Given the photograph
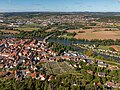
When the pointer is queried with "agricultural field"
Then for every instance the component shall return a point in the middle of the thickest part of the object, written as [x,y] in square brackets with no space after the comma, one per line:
[101,34]
[54,67]
[27,29]
[9,31]
[49,30]
[31,25]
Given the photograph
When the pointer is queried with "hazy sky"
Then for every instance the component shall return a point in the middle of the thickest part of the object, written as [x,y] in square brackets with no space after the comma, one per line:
[60,5]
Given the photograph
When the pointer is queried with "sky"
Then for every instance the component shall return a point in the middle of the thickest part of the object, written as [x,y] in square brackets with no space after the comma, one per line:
[60,5]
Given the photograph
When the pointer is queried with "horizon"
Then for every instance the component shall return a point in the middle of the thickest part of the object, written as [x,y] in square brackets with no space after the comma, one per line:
[59,6]
[56,12]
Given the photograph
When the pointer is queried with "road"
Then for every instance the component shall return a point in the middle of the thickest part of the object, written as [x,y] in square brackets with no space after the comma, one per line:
[44,40]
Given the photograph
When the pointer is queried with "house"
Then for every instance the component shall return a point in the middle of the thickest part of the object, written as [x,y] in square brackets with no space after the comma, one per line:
[74,83]
[33,75]
[3,74]
[111,67]
[1,21]
[90,72]
[51,77]
[53,53]
[27,71]
[43,60]
[111,84]
[84,60]
[89,61]
[66,57]
[101,74]
[75,65]
[115,48]
[42,77]
[32,43]
[102,65]
[39,49]
[58,58]
[5,54]
[1,65]
[97,83]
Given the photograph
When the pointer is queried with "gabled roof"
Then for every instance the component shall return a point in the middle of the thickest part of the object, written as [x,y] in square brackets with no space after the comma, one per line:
[115,48]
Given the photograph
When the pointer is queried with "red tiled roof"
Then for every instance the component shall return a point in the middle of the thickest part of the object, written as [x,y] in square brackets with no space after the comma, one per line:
[115,48]
[33,75]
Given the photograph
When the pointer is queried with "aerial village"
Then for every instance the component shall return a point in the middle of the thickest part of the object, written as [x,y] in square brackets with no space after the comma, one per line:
[20,58]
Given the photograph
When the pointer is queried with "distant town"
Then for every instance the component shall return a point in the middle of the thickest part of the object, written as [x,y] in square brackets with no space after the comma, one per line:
[60,51]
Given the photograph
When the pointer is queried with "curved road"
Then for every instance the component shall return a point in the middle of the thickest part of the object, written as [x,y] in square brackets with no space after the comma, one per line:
[44,40]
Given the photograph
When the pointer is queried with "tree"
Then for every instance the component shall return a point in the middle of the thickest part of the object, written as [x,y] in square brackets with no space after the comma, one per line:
[31,85]
[89,77]
[97,79]
[103,79]
[111,49]
[89,87]
[89,53]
